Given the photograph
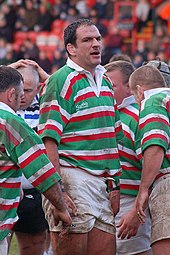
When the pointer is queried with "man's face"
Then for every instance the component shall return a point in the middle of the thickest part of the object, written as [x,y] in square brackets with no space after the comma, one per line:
[121,90]
[19,92]
[30,91]
[88,47]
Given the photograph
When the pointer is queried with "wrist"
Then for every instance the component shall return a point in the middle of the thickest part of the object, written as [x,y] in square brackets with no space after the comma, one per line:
[61,185]
[144,188]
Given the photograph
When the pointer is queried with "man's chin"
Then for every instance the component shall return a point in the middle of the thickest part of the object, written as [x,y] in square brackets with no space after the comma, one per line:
[22,107]
[97,61]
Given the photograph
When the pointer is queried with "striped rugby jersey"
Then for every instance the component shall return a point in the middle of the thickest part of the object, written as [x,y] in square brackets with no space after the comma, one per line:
[31,114]
[154,123]
[21,150]
[84,124]
[31,117]
[131,166]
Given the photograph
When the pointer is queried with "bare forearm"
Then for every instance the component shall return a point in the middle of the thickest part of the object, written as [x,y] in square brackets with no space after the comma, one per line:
[54,195]
[153,157]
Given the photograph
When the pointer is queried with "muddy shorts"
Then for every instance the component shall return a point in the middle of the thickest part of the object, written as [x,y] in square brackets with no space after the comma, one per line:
[91,199]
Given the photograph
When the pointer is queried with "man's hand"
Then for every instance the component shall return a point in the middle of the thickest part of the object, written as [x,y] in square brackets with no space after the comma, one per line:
[19,63]
[141,204]
[26,62]
[64,217]
[128,224]
[70,204]
[58,206]
[152,160]
[114,197]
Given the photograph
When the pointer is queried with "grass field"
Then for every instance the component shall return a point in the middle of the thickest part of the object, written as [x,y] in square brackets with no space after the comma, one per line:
[14,246]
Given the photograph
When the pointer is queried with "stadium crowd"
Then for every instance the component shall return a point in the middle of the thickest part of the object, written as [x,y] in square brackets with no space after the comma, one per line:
[33,29]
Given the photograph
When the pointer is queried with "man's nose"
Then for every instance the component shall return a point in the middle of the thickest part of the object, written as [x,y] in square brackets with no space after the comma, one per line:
[22,96]
[96,42]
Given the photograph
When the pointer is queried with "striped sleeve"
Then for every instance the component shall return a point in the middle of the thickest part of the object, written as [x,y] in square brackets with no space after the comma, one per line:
[54,112]
[30,156]
[154,125]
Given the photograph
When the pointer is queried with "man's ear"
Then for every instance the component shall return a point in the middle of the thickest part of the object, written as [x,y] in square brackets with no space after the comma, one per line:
[128,88]
[71,49]
[11,94]
[140,92]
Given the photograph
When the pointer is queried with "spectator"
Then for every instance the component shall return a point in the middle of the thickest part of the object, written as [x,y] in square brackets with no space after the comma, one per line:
[137,60]
[44,61]
[82,8]
[150,55]
[44,19]
[123,57]
[113,41]
[142,13]
[98,23]
[72,14]
[3,48]
[58,59]
[20,20]
[141,49]
[101,8]
[156,42]
[31,50]
[31,15]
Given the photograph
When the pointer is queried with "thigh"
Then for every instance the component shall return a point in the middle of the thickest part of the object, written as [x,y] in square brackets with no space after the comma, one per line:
[159,204]
[31,243]
[161,247]
[100,242]
[72,244]
[140,243]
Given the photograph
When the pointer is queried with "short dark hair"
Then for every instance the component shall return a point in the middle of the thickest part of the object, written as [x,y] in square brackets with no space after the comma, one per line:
[126,68]
[9,77]
[123,57]
[70,31]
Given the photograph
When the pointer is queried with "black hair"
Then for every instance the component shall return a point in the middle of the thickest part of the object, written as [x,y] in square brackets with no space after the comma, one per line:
[70,31]
[9,77]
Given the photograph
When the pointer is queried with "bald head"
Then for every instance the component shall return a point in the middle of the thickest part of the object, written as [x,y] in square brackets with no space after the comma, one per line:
[29,73]
[147,77]
[31,85]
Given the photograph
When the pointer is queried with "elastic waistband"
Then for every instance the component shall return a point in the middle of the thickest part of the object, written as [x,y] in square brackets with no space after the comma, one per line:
[160,177]
[30,191]
[105,174]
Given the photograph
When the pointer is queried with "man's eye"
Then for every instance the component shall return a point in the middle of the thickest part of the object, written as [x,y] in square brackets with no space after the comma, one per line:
[27,91]
[86,40]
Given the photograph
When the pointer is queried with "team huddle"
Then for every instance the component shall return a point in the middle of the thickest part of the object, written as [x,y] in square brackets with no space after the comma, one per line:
[94,141]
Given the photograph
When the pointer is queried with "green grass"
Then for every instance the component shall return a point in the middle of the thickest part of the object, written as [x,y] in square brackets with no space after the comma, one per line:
[14,246]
